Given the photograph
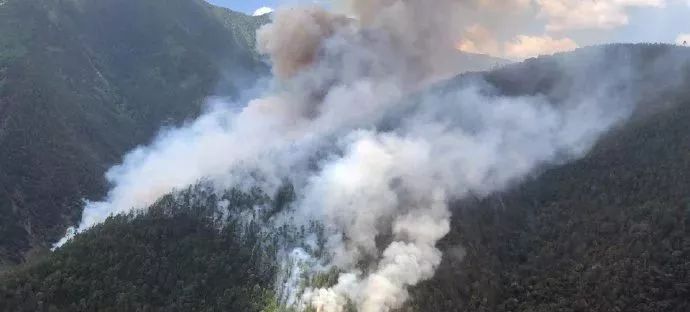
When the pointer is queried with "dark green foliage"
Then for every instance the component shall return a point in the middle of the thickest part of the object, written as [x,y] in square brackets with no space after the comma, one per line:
[175,257]
[609,232]
[82,82]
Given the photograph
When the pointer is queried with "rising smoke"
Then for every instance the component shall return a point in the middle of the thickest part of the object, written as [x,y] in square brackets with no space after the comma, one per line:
[375,153]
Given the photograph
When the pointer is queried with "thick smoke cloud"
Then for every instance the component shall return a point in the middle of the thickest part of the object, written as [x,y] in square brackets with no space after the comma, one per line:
[375,153]
[294,38]
[398,184]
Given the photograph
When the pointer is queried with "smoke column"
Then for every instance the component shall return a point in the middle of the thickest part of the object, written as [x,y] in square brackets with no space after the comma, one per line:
[375,153]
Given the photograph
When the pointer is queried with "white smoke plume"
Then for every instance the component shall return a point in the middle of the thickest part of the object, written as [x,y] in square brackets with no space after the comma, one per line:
[373,158]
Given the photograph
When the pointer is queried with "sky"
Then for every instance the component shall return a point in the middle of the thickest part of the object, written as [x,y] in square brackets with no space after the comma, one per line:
[247,6]
[250,6]
[527,28]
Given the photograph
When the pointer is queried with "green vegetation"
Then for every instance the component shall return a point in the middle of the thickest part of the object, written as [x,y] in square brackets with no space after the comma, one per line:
[13,37]
[177,256]
[82,82]
[610,232]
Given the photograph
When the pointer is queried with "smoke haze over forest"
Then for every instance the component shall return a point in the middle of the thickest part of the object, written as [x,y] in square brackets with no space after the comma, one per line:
[352,155]
[366,163]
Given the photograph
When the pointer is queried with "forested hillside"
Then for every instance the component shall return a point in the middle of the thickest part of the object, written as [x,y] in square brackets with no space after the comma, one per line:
[608,232]
[181,255]
[82,82]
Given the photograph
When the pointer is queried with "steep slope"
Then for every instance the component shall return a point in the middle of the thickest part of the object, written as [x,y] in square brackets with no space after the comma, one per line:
[81,82]
[608,232]
[172,258]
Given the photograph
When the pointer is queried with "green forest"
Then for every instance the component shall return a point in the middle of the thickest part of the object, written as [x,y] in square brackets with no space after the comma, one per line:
[79,88]
[173,257]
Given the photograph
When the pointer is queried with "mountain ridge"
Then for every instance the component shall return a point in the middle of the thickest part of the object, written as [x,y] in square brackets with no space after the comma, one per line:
[608,232]
[81,82]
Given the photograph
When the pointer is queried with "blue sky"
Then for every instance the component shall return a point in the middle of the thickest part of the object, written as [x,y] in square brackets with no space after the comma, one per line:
[246,6]
[249,6]
[656,25]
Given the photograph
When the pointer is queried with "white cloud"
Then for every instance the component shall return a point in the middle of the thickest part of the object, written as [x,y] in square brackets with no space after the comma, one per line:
[529,46]
[683,39]
[479,40]
[587,14]
[262,10]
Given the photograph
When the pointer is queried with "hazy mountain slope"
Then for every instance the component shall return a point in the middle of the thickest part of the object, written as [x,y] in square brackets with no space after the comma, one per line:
[471,62]
[81,82]
[608,232]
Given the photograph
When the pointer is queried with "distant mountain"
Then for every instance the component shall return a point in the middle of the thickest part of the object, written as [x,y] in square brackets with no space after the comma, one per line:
[609,232]
[83,81]
[472,62]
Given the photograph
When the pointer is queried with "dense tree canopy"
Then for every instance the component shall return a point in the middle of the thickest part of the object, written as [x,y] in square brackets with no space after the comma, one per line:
[610,232]
[178,256]
[82,82]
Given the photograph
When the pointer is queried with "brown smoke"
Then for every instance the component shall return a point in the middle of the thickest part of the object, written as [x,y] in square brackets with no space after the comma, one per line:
[294,37]
[422,35]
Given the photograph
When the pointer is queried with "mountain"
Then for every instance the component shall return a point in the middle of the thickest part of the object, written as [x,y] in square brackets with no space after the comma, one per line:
[608,232]
[171,258]
[82,82]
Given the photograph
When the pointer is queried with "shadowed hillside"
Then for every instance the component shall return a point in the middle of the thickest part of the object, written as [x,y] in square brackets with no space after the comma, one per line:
[609,232]
[81,82]
[174,257]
